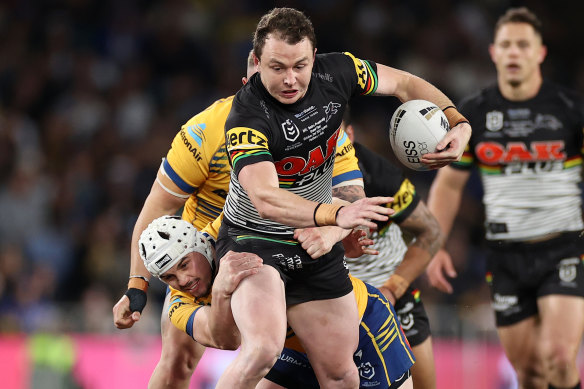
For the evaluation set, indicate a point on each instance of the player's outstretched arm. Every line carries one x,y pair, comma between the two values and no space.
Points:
261,183
158,203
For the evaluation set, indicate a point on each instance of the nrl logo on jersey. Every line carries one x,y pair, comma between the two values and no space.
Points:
291,132
494,120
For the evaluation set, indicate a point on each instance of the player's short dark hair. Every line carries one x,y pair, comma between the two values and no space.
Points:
519,15
287,24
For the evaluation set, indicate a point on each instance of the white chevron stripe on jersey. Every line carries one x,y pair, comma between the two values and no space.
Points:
524,202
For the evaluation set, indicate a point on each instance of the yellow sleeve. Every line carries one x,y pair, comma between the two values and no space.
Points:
212,229
188,160
183,308
346,170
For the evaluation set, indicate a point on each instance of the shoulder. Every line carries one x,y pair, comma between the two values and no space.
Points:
480,98
569,97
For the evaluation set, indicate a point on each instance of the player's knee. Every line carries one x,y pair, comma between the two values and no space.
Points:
260,358
347,377
559,358
531,376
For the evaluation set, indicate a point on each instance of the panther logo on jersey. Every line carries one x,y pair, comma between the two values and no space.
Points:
291,132
331,109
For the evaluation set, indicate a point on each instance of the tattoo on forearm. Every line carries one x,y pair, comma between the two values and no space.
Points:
350,193
425,227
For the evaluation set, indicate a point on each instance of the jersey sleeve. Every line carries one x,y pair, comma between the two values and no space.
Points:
364,73
211,230
346,169
186,162
182,310
246,136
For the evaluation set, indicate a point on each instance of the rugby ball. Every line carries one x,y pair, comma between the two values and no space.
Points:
415,129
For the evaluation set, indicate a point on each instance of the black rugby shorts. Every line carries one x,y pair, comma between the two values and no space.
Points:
305,279
519,273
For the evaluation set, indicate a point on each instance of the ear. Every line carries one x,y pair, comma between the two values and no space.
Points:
492,52
314,54
244,80
256,61
542,54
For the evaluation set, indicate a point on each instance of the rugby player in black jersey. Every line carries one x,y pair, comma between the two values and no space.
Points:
527,144
281,135
397,264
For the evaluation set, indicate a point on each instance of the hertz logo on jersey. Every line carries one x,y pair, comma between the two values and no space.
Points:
403,197
245,138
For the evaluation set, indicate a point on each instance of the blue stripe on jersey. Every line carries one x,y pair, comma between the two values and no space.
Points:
347,176
340,141
176,178
189,326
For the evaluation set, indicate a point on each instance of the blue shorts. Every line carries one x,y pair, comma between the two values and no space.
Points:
383,356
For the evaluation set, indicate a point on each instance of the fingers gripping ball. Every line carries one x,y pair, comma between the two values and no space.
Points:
415,129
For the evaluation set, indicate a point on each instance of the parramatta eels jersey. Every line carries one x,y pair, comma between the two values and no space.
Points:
184,307
197,163
529,155
382,178
300,138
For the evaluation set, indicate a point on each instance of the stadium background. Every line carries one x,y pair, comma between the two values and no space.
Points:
91,94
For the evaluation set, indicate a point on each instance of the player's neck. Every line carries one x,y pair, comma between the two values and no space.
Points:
522,91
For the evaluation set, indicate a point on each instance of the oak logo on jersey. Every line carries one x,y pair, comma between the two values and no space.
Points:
293,165
291,132
245,138
494,120
493,153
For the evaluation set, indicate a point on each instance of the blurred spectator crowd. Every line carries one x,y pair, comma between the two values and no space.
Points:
92,93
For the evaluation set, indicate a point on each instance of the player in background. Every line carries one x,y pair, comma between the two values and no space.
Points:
201,306
398,264
195,174
281,135
527,144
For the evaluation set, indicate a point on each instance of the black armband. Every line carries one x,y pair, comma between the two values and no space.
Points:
137,299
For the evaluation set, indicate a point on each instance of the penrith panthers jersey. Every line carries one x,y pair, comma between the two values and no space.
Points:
197,163
382,178
529,155
300,138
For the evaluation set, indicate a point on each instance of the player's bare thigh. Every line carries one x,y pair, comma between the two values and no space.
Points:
328,330
562,328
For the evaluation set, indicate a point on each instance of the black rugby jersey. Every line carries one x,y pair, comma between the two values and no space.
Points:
300,138
383,178
529,155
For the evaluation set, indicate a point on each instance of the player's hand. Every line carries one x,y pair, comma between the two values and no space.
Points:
357,243
317,241
123,316
450,148
388,295
234,268
362,212
439,267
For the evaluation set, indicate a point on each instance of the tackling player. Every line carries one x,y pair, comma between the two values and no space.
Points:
201,305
